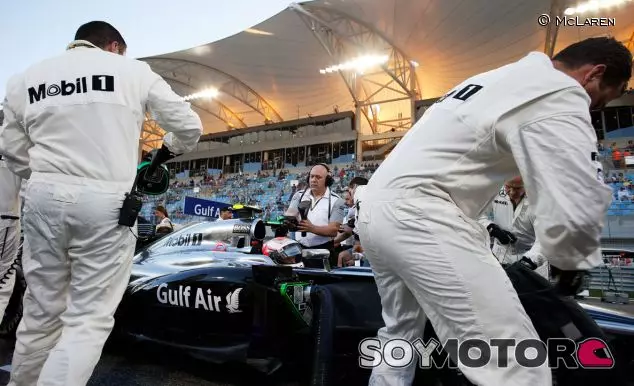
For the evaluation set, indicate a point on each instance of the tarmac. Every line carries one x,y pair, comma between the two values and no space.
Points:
141,365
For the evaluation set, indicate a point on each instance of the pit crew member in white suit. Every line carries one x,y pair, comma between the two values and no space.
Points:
513,225
418,214
72,127
10,205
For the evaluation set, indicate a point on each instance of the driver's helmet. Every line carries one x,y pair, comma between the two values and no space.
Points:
154,185
284,251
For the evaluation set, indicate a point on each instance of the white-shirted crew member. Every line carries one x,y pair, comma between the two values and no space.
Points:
417,219
348,238
226,213
512,226
72,127
10,207
324,214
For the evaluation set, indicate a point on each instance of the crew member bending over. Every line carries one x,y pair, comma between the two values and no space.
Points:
417,216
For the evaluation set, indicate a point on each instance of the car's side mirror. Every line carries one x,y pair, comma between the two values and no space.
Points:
316,258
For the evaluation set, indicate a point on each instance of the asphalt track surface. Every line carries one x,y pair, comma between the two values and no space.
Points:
141,364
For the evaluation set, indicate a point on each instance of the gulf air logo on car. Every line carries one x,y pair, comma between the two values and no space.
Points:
199,298
233,301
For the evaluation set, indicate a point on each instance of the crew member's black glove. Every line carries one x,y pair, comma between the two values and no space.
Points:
504,237
160,157
569,283
527,261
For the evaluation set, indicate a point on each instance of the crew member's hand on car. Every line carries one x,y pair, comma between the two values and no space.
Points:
503,236
569,283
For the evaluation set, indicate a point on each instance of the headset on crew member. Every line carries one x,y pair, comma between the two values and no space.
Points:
324,215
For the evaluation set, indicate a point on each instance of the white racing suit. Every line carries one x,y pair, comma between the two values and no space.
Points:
418,214
519,221
72,127
9,232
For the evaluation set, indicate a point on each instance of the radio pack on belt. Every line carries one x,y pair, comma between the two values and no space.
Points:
151,178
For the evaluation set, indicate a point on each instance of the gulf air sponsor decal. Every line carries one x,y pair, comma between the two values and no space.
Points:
199,298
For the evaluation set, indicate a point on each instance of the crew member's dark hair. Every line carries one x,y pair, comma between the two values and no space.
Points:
100,34
599,50
161,208
356,181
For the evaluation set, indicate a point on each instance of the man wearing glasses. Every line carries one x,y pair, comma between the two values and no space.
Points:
512,225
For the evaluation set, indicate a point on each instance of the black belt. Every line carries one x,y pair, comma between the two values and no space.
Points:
8,217
327,245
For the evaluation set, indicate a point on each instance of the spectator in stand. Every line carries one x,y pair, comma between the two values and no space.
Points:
626,153
617,156
165,224
624,194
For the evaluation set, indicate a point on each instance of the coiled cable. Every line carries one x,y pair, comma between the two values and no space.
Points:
17,262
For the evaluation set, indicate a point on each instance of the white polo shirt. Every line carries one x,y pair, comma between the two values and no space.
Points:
349,216
327,209
358,194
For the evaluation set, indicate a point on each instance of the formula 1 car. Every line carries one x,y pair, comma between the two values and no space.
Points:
211,290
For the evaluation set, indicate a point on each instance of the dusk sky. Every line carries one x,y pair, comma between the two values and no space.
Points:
35,29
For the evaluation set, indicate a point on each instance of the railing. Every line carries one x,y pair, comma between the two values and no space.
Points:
613,278
617,158
619,225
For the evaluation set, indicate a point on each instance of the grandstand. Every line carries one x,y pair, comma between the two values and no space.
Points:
342,81
249,166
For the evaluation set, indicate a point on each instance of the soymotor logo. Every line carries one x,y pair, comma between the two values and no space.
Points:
590,353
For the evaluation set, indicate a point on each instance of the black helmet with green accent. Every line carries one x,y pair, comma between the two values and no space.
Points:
155,185
245,211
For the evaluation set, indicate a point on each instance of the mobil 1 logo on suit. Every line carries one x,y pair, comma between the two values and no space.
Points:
81,85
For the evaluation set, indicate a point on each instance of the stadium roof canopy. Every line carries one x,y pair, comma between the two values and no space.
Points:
285,68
